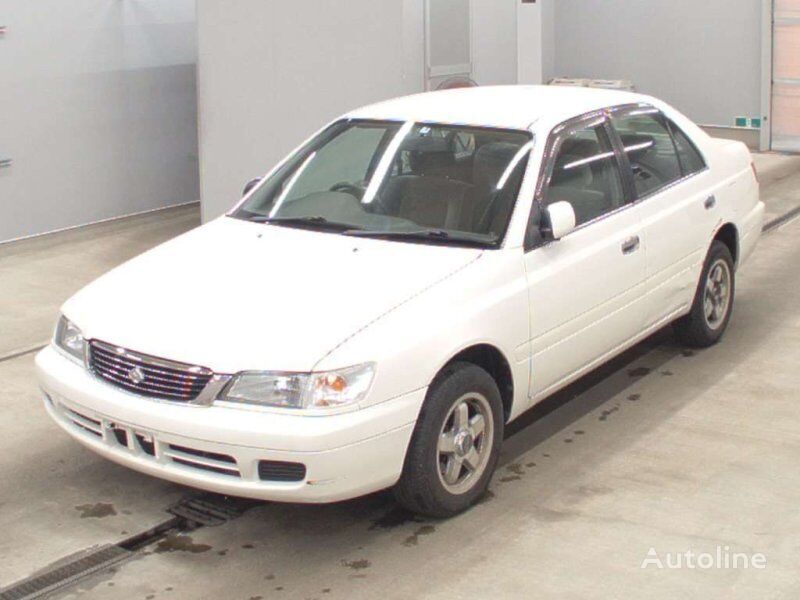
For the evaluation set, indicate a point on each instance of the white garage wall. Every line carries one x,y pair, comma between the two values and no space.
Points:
97,110
271,73
530,42
413,51
702,56
548,39
494,40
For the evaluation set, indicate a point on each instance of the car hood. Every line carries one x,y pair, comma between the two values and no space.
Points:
236,296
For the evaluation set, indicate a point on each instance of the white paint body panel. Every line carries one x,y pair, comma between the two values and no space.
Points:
586,297
235,296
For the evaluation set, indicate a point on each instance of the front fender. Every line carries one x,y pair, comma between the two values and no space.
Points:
486,303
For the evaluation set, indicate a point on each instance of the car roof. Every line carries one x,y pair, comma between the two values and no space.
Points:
507,107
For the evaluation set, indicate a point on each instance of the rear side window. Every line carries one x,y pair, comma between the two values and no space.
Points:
651,153
691,160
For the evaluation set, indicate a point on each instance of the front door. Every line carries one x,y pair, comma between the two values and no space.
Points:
586,290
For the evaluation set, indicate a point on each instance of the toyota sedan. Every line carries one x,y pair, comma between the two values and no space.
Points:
382,304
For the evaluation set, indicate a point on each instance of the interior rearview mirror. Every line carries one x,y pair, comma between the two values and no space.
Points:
250,185
561,220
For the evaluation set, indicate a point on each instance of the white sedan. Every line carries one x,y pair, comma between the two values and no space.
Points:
412,278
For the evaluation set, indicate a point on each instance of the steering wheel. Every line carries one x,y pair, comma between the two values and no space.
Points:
349,188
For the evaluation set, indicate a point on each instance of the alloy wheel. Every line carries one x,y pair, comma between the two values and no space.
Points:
717,297
465,443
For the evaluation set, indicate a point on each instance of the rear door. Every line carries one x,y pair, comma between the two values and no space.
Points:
585,289
672,185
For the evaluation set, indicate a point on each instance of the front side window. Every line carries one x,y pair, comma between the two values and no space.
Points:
414,181
585,174
650,150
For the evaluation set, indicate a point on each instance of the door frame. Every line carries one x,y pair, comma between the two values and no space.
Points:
604,116
767,50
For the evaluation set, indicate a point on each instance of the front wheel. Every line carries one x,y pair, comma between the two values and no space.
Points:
456,443
713,302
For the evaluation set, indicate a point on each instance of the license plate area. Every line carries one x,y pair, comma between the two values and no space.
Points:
133,438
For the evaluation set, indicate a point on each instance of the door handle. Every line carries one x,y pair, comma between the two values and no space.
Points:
710,202
631,245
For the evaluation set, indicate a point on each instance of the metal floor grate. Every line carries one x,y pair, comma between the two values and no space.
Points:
210,510
62,575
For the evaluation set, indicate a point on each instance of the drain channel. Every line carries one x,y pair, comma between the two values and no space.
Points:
57,577
209,510
206,510
784,218
23,352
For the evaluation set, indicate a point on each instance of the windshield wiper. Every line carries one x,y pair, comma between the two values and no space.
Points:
432,235
313,222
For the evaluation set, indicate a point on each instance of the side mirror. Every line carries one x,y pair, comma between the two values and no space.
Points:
250,185
561,217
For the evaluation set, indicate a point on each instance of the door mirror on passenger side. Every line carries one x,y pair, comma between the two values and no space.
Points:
250,185
560,220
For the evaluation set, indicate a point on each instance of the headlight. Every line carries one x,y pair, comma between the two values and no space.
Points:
331,389
70,339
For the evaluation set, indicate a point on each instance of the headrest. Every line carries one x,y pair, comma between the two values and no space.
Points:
637,145
580,147
491,161
570,171
426,144
428,155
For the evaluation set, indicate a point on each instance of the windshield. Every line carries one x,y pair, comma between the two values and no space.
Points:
408,181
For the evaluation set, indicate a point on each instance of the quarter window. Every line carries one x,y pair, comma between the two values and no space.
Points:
691,160
651,152
586,174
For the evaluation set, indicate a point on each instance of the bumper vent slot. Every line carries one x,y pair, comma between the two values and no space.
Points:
87,424
273,470
147,375
204,454
213,462
218,470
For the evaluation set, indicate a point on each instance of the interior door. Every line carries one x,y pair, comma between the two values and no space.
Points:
586,289
786,77
448,41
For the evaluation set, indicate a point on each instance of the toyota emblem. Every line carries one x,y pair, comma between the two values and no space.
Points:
136,375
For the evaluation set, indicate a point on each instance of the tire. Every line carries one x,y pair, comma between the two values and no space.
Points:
440,444
704,327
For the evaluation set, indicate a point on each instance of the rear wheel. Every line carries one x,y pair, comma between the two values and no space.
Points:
713,302
456,443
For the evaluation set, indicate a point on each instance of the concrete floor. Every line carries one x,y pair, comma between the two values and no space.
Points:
661,449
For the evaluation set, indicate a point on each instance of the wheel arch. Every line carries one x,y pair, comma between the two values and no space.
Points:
728,234
493,361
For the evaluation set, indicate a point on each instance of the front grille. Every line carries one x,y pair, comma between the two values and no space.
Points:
147,375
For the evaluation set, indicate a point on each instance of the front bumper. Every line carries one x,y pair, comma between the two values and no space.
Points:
219,449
